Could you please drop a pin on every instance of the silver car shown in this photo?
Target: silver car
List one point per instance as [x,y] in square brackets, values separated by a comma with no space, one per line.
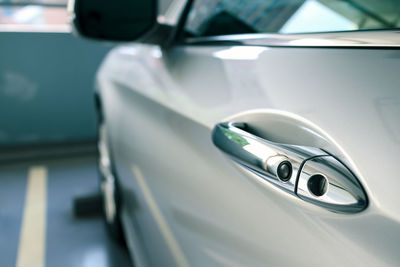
[250,132]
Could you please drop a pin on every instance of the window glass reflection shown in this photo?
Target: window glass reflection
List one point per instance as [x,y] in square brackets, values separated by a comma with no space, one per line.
[221,17]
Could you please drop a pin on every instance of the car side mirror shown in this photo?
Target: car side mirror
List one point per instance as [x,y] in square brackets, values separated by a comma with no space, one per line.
[116,20]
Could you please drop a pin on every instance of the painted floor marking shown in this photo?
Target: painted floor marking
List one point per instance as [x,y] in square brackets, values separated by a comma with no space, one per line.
[32,243]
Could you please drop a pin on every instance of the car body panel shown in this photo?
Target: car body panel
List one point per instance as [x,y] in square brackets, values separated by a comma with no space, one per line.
[193,206]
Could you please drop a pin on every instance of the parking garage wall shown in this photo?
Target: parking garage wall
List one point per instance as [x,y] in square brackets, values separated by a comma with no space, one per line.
[46,87]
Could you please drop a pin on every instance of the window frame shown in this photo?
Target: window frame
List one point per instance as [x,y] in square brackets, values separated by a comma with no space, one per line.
[371,39]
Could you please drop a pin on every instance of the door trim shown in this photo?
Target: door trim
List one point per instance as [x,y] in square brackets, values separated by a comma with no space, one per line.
[352,39]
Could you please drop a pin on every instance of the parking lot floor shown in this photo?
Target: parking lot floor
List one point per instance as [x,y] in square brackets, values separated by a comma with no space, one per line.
[37,224]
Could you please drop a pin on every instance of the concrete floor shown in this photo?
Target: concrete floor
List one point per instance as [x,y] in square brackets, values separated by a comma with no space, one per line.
[69,241]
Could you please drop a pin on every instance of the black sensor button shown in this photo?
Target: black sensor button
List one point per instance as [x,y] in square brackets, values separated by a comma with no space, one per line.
[284,171]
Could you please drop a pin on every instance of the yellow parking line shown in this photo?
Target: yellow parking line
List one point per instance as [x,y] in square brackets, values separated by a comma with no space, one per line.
[32,243]
[162,224]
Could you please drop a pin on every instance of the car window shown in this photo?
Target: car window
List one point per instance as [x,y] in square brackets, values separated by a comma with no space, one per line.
[33,13]
[222,17]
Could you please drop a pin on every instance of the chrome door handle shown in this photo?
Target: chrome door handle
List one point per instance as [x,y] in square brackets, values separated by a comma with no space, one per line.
[283,165]
[261,156]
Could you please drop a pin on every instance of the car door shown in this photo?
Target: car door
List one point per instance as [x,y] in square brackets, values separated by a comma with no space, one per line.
[186,202]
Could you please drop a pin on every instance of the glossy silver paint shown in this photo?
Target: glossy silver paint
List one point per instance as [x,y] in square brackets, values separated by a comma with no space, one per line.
[186,203]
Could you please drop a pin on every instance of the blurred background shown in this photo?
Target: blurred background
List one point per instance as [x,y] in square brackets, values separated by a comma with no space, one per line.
[47,123]
[46,76]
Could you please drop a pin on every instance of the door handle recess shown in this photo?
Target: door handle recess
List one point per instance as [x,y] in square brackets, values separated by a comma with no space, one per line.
[307,172]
